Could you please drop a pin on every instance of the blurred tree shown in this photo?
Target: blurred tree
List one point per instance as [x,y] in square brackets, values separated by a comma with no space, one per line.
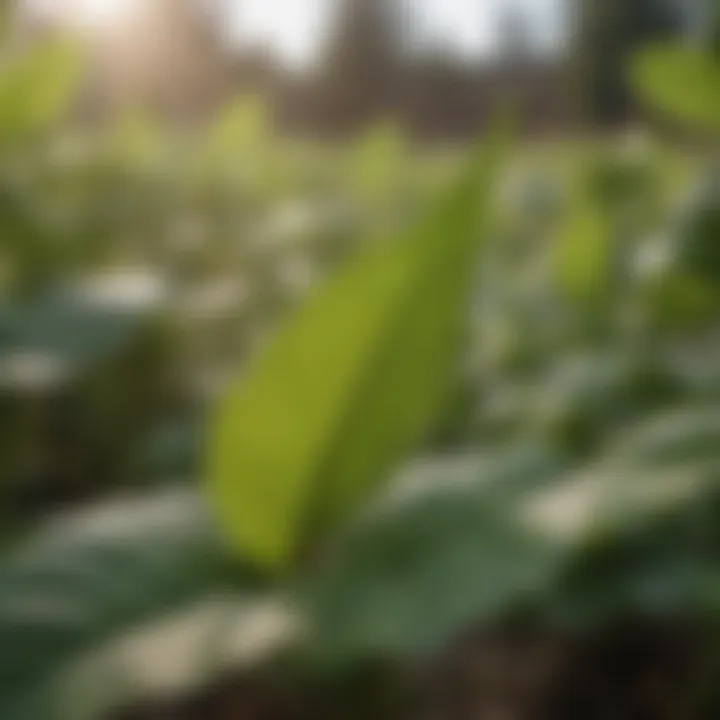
[362,66]
[608,33]
[515,36]
[442,94]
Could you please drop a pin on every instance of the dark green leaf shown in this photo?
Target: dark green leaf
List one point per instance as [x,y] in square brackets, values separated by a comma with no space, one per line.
[92,576]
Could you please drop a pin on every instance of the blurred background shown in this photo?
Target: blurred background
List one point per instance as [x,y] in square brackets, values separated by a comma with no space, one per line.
[177,175]
[328,68]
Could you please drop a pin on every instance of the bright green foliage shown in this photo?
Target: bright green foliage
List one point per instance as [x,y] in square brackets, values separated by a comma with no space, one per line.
[573,478]
[239,135]
[584,251]
[36,87]
[300,439]
[378,161]
[682,82]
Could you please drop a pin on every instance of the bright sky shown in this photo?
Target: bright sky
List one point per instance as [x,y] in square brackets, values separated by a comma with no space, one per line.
[295,27]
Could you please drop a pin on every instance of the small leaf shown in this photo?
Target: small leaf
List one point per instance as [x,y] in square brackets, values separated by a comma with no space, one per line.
[377,163]
[349,386]
[682,81]
[37,87]
[583,250]
[239,133]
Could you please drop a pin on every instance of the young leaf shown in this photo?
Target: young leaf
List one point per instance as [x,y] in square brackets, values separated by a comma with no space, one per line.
[683,82]
[349,386]
[377,162]
[240,131]
[583,251]
[37,87]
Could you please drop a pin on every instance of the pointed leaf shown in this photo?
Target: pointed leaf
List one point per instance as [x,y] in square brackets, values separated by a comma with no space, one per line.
[350,385]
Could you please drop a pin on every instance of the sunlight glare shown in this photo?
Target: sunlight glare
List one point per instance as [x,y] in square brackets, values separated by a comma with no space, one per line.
[85,13]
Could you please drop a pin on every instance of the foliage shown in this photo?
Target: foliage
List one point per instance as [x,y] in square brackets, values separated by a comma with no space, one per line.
[88,576]
[683,82]
[565,459]
[610,32]
[298,441]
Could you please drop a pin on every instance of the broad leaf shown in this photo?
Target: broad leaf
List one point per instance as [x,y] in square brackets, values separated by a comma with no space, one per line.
[466,542]
[348,387]
[89,577]
[442,552]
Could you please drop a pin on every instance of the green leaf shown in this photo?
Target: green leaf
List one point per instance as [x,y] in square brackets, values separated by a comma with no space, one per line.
[240,131]
[583,252]
[62,334]
[681,81]
[92,576]
[377,162]
[467,541]
[349,386]
[686,434]
[698,230]
[443,551]
[36,87]
[134,142]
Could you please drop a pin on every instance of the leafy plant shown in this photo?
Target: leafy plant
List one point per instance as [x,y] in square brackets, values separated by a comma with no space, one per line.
[576,480]
[297,444]
[682,82]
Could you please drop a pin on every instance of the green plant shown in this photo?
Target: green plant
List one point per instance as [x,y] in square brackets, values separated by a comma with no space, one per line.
[576,482]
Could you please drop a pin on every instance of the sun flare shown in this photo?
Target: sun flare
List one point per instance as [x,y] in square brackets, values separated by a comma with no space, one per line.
[85,13]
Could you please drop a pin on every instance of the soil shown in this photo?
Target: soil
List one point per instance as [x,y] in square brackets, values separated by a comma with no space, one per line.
[634,671]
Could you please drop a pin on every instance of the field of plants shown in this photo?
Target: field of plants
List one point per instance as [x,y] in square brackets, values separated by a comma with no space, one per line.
[358,430]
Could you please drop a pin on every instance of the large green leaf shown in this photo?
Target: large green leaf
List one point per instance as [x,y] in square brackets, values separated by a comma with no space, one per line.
[668,565]
[466,541]
[350,385]
[681,81]
[443,551]
[92,576]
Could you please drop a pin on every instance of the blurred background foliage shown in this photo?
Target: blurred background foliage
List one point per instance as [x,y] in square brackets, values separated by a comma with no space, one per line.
[565,466]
